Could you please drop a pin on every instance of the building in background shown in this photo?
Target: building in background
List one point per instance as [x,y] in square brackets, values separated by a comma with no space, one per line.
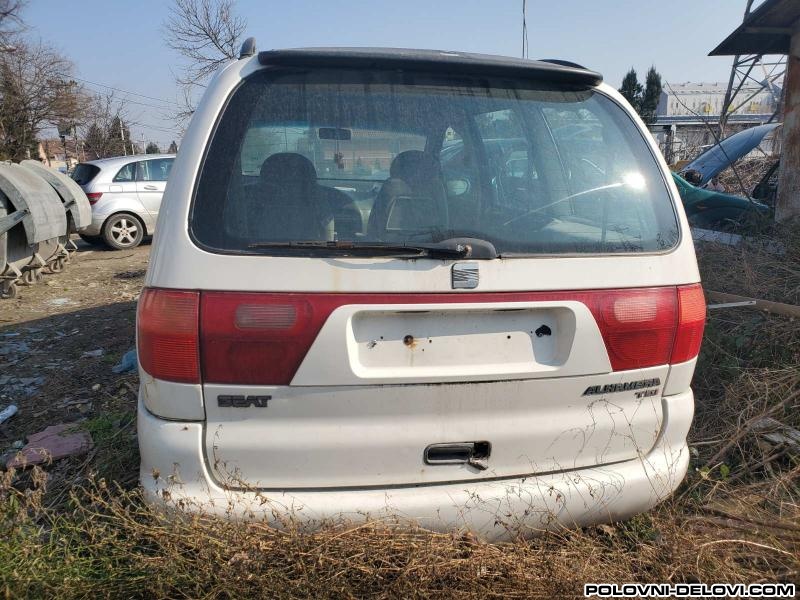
[688,114]
[51,153]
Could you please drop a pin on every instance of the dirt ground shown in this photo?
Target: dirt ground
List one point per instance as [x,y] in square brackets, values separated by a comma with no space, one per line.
[60,338]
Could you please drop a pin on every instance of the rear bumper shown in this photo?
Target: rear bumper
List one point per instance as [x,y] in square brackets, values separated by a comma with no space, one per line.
[96,226]
[173,471]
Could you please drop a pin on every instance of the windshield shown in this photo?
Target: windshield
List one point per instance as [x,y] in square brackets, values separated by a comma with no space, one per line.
[380,157]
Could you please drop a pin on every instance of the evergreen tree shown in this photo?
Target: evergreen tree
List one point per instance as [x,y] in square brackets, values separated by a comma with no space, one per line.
[173,148]
[95,142]
[631,89]
[652,93]
[152,148]
[117,132]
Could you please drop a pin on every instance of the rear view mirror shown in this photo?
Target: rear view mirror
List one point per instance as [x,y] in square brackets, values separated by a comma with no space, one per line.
[334,133]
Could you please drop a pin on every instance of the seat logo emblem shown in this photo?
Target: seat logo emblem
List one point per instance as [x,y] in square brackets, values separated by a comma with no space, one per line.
[464,276]
[243,401]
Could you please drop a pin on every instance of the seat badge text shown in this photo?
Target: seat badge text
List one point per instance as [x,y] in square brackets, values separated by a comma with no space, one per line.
[243,401]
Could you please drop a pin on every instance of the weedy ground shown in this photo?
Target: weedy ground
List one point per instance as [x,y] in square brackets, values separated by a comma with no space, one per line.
[78,528]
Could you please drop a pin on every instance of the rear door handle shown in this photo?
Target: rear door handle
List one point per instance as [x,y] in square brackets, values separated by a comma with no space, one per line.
[475,454]
[151,187]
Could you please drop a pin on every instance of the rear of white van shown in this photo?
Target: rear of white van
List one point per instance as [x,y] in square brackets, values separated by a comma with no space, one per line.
[448,288]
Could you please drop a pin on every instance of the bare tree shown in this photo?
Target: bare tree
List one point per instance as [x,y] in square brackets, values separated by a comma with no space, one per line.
[206,33]
[36,91]
[10,21]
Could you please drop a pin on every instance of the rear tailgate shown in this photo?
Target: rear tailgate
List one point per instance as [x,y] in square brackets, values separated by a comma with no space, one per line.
[384,377]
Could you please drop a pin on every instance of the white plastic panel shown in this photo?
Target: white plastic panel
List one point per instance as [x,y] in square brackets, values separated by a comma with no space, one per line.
[376,435]
[680,377]
[174,473]
[369,344]
[169,400]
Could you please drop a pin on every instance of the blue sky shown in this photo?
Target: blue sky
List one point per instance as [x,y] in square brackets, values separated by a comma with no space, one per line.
[119,43]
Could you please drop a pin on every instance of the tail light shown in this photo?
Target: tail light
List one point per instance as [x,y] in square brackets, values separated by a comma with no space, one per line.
[166,323]
[94,197]
[261,338]
[638,325]
[258,338]
[691,323]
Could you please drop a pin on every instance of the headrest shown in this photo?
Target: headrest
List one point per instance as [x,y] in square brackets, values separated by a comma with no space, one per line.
[415,166]
[288,168]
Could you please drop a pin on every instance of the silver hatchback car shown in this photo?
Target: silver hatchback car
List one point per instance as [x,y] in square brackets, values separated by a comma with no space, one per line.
[125,193]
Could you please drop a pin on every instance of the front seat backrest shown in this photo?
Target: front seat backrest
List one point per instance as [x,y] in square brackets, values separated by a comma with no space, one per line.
[412,200]
[288,206]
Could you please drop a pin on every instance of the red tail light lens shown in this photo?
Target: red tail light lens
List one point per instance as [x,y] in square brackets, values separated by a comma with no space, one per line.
[258,338]
[638,326]
[167,333]
[262,338]
[691,323]
[94,197]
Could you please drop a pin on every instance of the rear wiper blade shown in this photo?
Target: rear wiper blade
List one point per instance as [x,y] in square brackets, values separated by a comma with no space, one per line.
[346,247]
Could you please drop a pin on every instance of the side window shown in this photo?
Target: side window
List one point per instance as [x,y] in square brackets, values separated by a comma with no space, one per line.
[506,147]
[596,161]
[457,163]
[579,135]
[504,142]
[126,173]
[154,170]
[461,177]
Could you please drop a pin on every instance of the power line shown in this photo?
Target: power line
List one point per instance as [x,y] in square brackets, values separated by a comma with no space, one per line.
[143,126]
[116,89]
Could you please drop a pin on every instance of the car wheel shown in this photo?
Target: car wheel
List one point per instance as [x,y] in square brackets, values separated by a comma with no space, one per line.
[123,231]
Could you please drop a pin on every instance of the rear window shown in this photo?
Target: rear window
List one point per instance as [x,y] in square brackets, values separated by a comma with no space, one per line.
[379,157]
[84,173]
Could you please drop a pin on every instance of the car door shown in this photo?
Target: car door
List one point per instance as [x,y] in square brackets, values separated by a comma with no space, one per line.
[124,181]
[151,179]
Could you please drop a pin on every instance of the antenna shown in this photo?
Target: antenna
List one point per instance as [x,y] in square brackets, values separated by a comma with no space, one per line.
[524,30]
[248,48]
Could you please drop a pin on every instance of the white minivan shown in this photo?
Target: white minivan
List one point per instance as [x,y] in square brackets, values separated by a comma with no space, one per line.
[448,288]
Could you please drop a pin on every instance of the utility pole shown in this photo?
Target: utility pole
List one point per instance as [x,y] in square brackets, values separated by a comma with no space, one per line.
[77,148]
[122,136]
[66,159]
[787,204]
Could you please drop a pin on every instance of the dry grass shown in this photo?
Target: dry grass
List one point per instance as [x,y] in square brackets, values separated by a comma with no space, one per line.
[65,533]
[747,174]
[766,265]
[106,543]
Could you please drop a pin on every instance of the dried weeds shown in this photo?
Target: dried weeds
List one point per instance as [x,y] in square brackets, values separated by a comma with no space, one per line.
[82,530]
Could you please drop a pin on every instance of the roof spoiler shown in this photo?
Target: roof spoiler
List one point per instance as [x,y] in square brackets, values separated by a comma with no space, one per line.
[432,61]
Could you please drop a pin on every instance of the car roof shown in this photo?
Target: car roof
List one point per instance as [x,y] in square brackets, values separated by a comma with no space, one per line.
[122,160]
[444,61]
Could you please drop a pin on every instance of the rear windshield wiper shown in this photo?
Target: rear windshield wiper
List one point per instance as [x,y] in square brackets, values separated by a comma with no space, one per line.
[441,250]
